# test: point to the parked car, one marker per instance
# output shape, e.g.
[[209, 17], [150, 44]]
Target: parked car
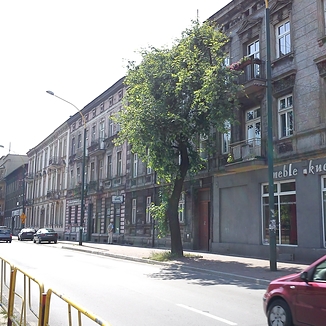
[[26, 234], [298, 299], [5, 235], [45, 234]]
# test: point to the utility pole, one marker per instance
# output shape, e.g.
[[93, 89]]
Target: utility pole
[[272, 221]]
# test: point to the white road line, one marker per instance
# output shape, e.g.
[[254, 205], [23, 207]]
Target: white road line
[[207, 314]]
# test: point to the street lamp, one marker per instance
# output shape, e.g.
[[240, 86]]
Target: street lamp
[[82, 195], [272, 221]]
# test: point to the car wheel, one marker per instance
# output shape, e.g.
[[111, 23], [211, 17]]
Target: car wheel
[[279, 313], [39, 241]]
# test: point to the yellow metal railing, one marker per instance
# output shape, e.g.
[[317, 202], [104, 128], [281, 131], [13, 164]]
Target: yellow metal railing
[[18, 291]]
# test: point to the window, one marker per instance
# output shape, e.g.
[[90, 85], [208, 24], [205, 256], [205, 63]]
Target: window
[[93, 133], [227, 59], [100, 174], [253, 134], [226, 138], [78, 175], [148, 205], [203, 146], [76, 214], [119, 163], [79, 141], [73, 146], [109, 166], [283, 39], [133, 211], [72, 180], [148, 168], [285, 210], [110, 127], [253, 71], [102, 134], [181, 210], [135, 165], [253, 123], [92, 176], [285, 112]]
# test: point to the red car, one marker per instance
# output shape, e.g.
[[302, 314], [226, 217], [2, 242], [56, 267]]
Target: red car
[[298, 299]]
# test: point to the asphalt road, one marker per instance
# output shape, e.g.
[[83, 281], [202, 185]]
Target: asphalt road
[[132, 293]]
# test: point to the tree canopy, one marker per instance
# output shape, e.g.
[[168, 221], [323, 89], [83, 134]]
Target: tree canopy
[[173, 96]]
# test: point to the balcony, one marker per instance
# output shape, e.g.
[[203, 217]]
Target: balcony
[[245, 156], [56, 162], [30, 177], [74, 191], [29, 202], [94, 187], [97, 147], [53, 194], [253, 78]]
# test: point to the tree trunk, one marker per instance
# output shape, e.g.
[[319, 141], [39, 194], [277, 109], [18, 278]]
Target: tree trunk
[[173, 218], [173, 204]]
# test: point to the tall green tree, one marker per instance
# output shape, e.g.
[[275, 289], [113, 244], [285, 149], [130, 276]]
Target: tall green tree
[[173, 96]]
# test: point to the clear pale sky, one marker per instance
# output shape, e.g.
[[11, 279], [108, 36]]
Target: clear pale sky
[[77, 49]]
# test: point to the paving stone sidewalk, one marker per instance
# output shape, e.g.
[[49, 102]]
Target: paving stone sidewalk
[[255, 269]]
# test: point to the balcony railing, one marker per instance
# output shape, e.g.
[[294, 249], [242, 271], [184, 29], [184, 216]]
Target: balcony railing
[[97, 145], [246, 150]]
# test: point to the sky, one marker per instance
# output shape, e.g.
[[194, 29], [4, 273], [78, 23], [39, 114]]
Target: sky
[[77, 49]]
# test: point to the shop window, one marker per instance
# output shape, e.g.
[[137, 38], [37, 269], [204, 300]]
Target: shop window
[[324, 209], [285, 210]]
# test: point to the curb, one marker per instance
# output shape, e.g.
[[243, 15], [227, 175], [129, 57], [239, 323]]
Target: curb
[[102, 252]]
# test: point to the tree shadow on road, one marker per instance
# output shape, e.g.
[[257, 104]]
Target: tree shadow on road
[[206, 272]]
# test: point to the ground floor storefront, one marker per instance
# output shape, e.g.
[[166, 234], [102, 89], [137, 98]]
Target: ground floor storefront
[[240, 216]]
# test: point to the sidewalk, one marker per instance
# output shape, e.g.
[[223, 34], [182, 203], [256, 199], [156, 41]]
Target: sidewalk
[[257, 270]]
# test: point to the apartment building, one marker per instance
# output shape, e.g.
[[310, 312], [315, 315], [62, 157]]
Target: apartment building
[[240, 214], [13, 169], [46, 181], [105, 171]]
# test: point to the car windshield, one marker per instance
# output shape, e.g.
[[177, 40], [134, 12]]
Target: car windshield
[[2, 231]]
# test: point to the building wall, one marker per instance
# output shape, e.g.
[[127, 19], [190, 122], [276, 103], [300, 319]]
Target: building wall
[[241, 228]]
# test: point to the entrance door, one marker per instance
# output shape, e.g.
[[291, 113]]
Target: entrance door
[[203, 220]]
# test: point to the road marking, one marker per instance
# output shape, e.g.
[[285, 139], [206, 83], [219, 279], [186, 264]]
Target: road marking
[[207, 314]]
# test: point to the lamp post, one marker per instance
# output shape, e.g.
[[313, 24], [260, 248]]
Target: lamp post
[[82, 194], [272, 221]]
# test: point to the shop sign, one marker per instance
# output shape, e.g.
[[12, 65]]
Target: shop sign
[[289, 171], [73, 202], [117, 199]]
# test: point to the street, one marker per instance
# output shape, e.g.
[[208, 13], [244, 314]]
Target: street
[[131, 293]]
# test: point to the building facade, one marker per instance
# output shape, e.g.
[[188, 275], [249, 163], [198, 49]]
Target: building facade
[[13, 168], [298, 61]]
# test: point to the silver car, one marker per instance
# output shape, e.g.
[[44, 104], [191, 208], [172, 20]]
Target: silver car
[[5, 235]]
